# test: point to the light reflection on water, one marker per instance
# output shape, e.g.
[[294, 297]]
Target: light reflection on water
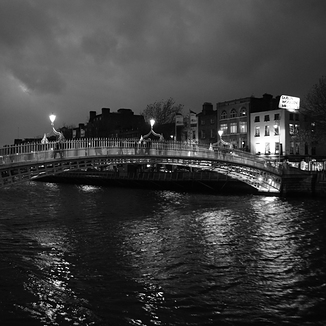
[[96, 256], [55, 301]]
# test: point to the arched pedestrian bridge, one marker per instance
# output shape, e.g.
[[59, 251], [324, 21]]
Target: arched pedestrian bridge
[[30, 161]]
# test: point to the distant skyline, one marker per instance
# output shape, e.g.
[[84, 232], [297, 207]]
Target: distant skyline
[[72, 57]]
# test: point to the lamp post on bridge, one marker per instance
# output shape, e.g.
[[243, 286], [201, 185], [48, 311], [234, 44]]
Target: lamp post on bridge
[[152, 122], [220, 132], [59, 135]]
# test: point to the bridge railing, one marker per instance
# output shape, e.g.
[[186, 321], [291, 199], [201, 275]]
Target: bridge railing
[[38, 152]]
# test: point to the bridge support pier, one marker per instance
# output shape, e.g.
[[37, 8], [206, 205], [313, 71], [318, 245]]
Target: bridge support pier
[[298, 184]]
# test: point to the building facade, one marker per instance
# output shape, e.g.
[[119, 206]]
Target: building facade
[[233, 119], [207, 124], [123, 123]]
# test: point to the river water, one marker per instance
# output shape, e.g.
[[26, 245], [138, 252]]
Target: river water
[[86, 255]]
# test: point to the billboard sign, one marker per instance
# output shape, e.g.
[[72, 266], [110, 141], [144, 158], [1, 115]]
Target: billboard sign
[[289, 103]]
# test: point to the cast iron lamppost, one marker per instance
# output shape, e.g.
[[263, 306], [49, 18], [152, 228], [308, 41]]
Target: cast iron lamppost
[[220, 132], [59, 135]]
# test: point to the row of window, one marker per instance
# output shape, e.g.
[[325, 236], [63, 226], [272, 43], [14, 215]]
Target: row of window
[[234, 113], [293, 129], [234, 127], [292, 117], [203, 133], [294, 148], [266, 117]]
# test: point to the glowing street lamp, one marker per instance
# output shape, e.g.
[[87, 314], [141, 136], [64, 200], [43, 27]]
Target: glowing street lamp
[[52, 119], [152, 122], [220, 132]]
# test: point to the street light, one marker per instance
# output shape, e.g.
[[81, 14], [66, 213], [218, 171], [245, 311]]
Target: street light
[[52, 118], [59, 135], [220, 132], [152, 122]]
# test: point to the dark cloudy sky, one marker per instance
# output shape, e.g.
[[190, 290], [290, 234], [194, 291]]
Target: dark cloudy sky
[[71, 57]]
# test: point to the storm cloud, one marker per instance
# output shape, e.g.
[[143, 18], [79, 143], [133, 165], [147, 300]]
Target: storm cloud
[[71, 57]]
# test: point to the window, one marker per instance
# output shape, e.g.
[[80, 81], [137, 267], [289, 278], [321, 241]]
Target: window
[[202, 122], [297, 117], [212, 121], [257, 147], [292, 128], [277, 148], [203, 136], [291, 116], [297, 148], [276, 116], [243, 112], [266, 130], [233, 113], [233, 128], [266, 118], [224, 115], [224, 127], [276, 130], [257, 118], [257, 131], [291, 147], [296, 129], [267, 148], [243, 126], [213, 133]]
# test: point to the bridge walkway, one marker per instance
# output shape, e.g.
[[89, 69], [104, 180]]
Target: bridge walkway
[[34, 160]]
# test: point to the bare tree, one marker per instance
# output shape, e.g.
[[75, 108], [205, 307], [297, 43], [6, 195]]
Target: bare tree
[[314, 107], [314, 104], [162, 112]]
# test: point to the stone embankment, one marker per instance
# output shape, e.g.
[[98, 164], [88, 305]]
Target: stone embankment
[[304, 183]]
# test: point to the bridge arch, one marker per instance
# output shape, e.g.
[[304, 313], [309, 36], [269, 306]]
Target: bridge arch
[[25, 164]]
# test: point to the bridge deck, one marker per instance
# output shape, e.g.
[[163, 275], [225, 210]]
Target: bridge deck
[[28, 160]]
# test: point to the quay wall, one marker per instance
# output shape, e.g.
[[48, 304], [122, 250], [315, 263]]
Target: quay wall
[[308, 183]]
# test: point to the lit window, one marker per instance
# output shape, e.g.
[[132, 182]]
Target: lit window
[[233, 128], [243, 126], [291, 129], [266, 130], [224, 127], [267, 148], [257, 148], [243, 112], [257, 132]]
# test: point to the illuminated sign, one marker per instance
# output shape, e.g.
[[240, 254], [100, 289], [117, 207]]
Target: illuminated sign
[[289, 103]]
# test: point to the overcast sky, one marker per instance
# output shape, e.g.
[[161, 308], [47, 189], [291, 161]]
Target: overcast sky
[[72, 57]]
